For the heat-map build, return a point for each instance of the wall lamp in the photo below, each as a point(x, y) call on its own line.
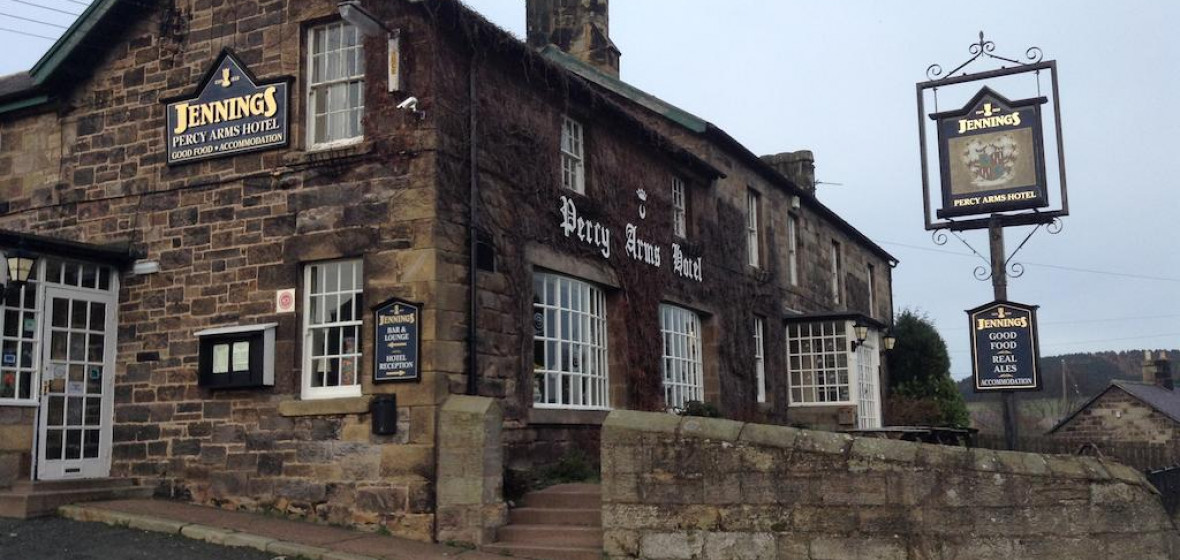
point(889, 340)
point(861, 331)
point(353, 13)
point(369, 26)
point(20, 267)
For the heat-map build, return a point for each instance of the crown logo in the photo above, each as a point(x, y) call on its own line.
point(642, 195)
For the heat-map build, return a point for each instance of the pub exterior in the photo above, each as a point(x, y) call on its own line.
point(275, 242)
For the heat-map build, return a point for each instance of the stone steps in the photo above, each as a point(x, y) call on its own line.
point(562, 522)
point(28, 499)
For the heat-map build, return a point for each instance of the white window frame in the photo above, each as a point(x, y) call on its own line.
point(868, 406)
point(753, 237)
point(871, 277)
point(793, 247)
point(310, 357)
point(818, 363)
point(571, 368)
point(85, 277)
point(316, 88)
point(760, 357)
point(682, 361)
point(573, 159)
point(679, 208)
point(837, 272)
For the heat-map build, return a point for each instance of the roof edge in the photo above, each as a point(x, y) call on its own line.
point(48, 64)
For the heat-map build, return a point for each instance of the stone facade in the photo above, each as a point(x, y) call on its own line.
point(1117, 416)
point(696, 488)
point(88, 165)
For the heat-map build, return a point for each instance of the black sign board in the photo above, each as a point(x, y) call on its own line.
point(230, 113)
point(992, 156)
point(1004, 348)
point(398, 336)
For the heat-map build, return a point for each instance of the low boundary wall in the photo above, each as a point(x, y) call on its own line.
point(696, 488)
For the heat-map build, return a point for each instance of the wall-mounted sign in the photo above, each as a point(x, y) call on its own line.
point(397, 337)
point(992, 156)
point(285, 301)
point(394, 58)
point(1004, 348)
point(230, 113)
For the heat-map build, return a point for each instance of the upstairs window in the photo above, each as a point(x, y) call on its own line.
point(760, 358)
point(682, 363)
point(333, 313)
point(753, 238)
point(336, 89)
point(793, 248)
point(837, 271)
point(573, 164)
point(679, 209)
point(872, 291)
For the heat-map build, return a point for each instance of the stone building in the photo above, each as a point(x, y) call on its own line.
point(254, 222)
point(1129, 411)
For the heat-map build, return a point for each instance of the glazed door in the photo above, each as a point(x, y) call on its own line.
point(77, 385)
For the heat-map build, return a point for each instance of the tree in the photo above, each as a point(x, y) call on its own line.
point(921, 389)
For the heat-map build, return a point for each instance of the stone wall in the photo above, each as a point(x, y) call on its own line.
point(470, 471)
point(694, 488)
point(1117, 416)
point(16, 443)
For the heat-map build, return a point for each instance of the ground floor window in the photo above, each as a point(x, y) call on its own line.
point(817, 358)
point(569, 343)
point(682, 362)
point(332, 329)
point(18, 343)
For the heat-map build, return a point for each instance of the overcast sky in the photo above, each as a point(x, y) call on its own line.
point(838, 77)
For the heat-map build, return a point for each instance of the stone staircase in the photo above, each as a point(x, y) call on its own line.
point(27, 499)
point(562, 522)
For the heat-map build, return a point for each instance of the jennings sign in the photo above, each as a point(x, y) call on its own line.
point(398, 335)
point(992, 156)
point(231, 113)
point(1004, 347)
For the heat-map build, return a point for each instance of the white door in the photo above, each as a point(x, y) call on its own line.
point(77, 384)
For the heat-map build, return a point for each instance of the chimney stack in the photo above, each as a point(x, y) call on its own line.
point(798, 166)
point(1158, 371)
point(578, 27)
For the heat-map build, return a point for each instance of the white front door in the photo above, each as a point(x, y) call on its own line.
point(77, 384)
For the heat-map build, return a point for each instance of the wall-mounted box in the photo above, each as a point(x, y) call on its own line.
point(237, 357)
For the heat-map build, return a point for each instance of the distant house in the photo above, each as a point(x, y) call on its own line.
point(1129, 411)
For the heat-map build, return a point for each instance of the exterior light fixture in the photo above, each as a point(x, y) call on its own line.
point(862, 332)
point(353, 13)
point(369, 26)
point(20, 267)
point(889, 340)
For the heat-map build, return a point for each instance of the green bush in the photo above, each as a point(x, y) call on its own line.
point(701, 409)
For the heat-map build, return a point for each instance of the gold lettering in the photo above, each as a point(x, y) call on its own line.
point(264, 103)
point(181, 118)
point(984, 324)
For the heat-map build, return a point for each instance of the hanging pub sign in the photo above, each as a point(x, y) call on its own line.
point(1004, 348)
point(992, 156)
point(230, 113)
point(396, 325)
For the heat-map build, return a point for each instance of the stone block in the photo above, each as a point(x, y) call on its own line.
point(16, 438)
point(829, 443)
point(739, 546)
point(767, 435)
point(710, 428)
point(680, 545)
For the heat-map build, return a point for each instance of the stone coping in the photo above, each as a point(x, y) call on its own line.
point(325, 407)
point(864, 449)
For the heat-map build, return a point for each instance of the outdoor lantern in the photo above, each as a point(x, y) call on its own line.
point(20, 266)
point(889, 340)
point(862, 332)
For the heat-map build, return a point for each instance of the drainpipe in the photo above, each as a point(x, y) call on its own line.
point(472, 241)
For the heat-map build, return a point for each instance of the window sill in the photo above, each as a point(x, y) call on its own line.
point(319, 154)
point(325, 407)
point(20, 404)
point(820, 404)
point(567, 416)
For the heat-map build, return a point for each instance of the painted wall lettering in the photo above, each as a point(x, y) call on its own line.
point(589, 232)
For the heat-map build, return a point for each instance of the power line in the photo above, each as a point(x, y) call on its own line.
point(27, 34)
point(87, 4)
point(43, 7)
point(1042, 265)
point(30, 20)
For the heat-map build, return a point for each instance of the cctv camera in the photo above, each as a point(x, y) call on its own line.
point(410, 104)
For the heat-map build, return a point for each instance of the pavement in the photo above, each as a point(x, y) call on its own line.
point(272, 535)
point(54, 538)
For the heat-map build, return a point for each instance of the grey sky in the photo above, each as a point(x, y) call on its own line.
point(838, 78)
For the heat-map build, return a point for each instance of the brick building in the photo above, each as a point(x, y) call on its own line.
point(223, 197)
point(1128, 411)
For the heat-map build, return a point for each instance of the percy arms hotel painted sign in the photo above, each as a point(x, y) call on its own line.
point(230, 113)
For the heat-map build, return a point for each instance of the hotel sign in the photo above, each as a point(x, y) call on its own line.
point(230, 113)
point(397, 328)
point(1004, 347)
point(992, 156)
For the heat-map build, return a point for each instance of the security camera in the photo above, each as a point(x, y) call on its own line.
point(410, 104)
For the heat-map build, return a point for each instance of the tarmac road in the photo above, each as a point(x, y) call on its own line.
point(60, 539)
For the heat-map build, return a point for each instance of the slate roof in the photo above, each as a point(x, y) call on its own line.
point(13, 84)
point(1158, 398)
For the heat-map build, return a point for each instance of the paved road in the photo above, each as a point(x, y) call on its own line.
point(60, 539)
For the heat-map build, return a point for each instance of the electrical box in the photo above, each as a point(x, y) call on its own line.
point(238, 357)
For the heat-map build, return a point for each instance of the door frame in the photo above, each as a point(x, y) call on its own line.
point(98, 467)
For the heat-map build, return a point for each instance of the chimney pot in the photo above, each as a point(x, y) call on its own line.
point(798, 166)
